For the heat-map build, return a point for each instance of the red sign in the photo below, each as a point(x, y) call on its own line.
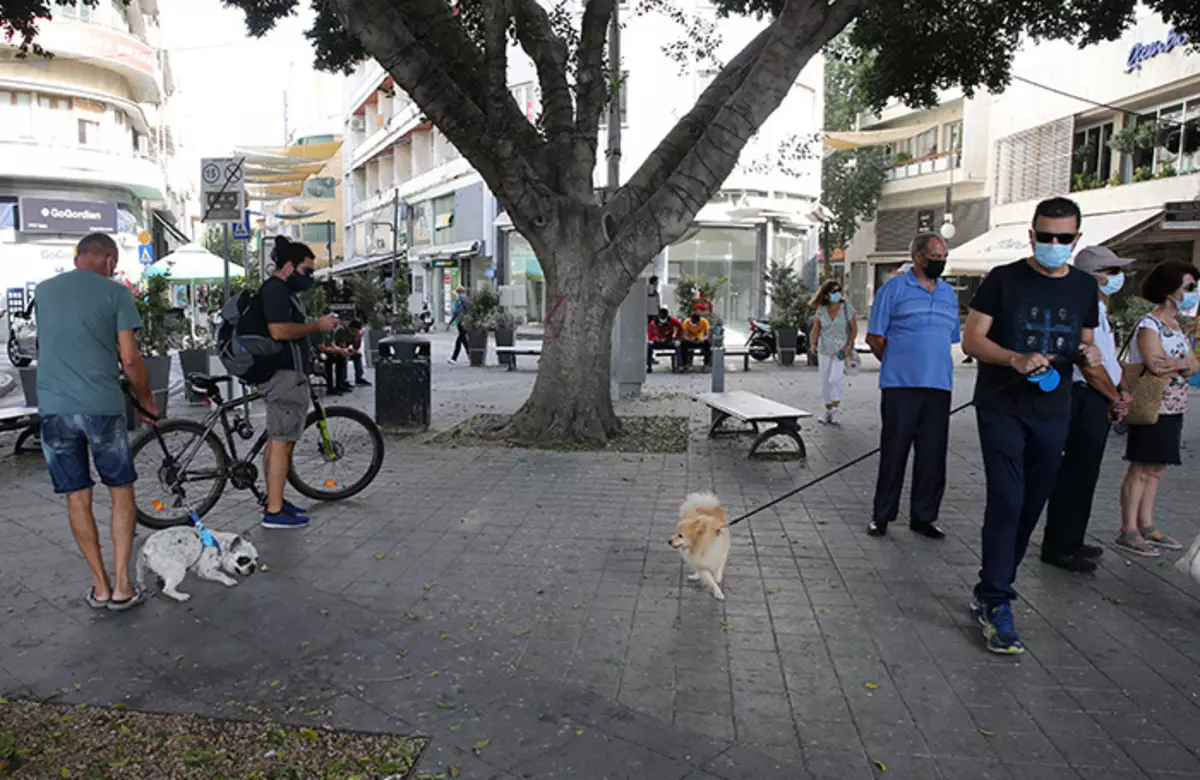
point(838, 255)
point(73, 40)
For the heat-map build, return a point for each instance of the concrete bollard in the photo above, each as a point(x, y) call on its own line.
point(718, 376)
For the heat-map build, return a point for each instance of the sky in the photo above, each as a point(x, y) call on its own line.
point(229, 87)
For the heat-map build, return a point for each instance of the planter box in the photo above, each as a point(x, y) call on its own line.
point(193, 361)
point(160, 383)
point(506, 337)
point(477, 342)
point(785, 344)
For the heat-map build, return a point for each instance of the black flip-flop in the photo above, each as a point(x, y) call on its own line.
point(90, 599)
point(122, 605)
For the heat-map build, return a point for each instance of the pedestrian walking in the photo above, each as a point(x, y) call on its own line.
point(913, 327)
point(1096, 403)
point(834, 333)
point(87, 334)
point(1031, 318)
point(1162, 347)
point(458, 315)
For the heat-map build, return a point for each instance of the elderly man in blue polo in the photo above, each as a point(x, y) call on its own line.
point(914, 322)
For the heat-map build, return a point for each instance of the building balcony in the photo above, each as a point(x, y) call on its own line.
point(386, 135)
point(113, 49)
point(361, 84)
point(46, 161)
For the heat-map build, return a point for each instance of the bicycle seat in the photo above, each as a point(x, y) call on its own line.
point(206, 383)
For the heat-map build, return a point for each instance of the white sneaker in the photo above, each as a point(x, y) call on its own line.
point(826, 416)
point(452, 362)
point(835, 416)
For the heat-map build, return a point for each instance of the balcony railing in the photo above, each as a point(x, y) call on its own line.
point(933, 163)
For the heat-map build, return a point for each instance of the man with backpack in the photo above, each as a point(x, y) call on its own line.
point(285, 390)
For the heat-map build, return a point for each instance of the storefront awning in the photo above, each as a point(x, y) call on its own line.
point(843, 140)
point(447, 250)
point(357, 264)
point(1007, 243)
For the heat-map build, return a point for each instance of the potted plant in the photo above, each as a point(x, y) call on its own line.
point(482, 306)
point(194, 359)
point(159, 334)
point(505, 324)
point(789, 310)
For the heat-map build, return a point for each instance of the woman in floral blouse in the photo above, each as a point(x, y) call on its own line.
point(1166, 351)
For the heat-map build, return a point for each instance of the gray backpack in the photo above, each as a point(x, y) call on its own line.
point(244, 344)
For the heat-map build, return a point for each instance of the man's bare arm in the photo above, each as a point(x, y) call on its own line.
point(976, 343)
point(877, 343)
point(135, 368)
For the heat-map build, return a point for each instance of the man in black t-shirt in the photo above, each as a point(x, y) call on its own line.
point(1029, 317)
point(286, 392)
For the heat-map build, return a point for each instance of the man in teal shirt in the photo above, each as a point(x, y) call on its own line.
point(87, 332)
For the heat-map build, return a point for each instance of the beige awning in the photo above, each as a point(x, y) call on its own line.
point(849, 139)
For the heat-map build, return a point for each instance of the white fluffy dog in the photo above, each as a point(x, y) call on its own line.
point(703, 540)
point(170, 553)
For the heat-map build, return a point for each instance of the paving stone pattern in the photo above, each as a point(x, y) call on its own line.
point(530, 599)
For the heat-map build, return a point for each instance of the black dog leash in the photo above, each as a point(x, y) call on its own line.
point(874, 452)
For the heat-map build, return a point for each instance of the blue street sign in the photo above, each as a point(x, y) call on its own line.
point(146, 254)
point(241, 230)
point(489, 273)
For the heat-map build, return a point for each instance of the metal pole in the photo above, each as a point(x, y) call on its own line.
point(613, 150)
point(329, 240)
point(395, 249)
point(227, 293)
point(718, 375)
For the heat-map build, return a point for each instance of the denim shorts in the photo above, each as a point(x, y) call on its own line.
point(66, 439)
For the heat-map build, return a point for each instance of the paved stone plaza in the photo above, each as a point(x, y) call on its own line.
point(528, 599)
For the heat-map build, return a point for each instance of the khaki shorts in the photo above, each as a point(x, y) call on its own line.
point(286, 396)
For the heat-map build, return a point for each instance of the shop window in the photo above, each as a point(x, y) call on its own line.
point(952, 140)
point(8, 214)
point(89, 133)
point(1190, 158)
point(1170, 141)
point(443, 220)
point(1091, 157)
point(317, 232)
point(926, 143)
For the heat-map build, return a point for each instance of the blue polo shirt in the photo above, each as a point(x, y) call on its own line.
point(920, 327)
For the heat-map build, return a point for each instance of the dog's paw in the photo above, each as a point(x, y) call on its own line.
point(693, 577)
point(718, 595)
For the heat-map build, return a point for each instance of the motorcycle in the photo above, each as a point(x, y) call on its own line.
point(761, 342)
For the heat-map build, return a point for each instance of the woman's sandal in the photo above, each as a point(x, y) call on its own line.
point(1157, 538)
point(93, 602)
point(122, 605)
point(1132, 542)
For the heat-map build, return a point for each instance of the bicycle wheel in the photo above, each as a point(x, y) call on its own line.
point(203, 481)
point(337, 467)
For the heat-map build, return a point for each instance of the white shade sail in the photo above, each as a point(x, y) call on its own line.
point(194, 263)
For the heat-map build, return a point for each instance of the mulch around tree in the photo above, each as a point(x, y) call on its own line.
point(639, 435)
point(54, 740)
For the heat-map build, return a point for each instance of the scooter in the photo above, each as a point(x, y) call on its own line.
point(761, 343)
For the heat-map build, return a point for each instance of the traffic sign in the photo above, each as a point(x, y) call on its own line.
point(223, 188)
point(146, 254)
point(241, 230)
point(144, 237)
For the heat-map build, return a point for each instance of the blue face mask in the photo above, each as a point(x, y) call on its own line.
point(835, 297)
point(1052, 256)
point(1190, 300)
point(1113, 285)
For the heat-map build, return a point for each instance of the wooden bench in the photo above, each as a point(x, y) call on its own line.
point(754, 409)
point(533, 350)
point(742, 352)
point(24, 419)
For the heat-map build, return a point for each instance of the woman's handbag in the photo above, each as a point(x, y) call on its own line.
point(1145, 387)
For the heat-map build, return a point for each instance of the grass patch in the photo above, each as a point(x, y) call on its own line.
point(641, 434)
point(51, 740)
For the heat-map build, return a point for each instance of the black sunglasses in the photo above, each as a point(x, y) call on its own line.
point(1044, 237)
point(1190, 287)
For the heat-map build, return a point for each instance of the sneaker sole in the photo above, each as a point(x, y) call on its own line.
point(284, 525)
point(1015, 650)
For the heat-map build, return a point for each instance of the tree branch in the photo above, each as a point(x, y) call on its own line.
point(693, 161)
point(591, 85)
point(536, 35)
point(495, 62)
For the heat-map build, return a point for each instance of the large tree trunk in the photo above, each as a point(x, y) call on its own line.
point(572, 396)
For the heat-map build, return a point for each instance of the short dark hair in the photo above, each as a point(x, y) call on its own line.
point(922, 240)
point(653, 280)
point(355, 325)
point(96, 244)
point(287, 251)
point(1058, 208)
point(1165, 278)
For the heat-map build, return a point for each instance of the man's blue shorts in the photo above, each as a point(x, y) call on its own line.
point(66, 439)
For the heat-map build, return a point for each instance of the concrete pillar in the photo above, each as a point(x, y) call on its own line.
point(629, 344)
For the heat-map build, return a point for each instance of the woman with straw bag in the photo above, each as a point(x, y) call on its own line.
point(1161, 359)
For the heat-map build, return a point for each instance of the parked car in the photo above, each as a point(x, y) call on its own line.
point(22, 337)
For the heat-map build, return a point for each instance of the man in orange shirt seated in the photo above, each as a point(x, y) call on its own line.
point(695, 336)
point(663, 333)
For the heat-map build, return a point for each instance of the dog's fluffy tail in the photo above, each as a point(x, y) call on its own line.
point(705, 503)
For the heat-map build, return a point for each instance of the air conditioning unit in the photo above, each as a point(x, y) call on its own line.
point(358, 124)
point(381, 243)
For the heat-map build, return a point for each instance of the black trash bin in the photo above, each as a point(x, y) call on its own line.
point(402, 390)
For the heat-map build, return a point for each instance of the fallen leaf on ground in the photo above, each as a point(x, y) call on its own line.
point(773, 591)
point(473, 626)
point(987, 733)
point(724, 625)
point(324, 612)
point(455, 771)
point(413, 616)
point(871, 685)
point(456, 727)
point(882, 766)
point(432, 674)
point(579, 733)
point(443, 636)
point(479, 746)
point(381, 556)
point(305, 643)
point(446, 705)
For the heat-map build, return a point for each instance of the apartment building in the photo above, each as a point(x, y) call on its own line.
point(315, 215)
point(1115, 126)
point(86, 142)
point(402, 174)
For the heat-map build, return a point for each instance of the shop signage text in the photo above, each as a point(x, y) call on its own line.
point(77, 217)
point(1140, 52)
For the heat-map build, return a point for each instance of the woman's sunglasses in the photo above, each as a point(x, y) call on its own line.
point(1044, 237)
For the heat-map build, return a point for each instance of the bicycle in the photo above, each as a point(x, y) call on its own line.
point(178, 467)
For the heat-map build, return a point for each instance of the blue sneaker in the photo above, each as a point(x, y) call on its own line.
point(1000, 631)
point(288, 507)
point(283, 519)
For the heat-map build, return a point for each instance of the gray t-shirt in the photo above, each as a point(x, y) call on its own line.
point(835, 332)
point(79, 314)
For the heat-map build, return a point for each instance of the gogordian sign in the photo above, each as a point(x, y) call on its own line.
point(1148, 51)
point(79, 217)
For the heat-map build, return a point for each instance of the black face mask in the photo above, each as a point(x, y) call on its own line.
point(934, 268)
point(300, 281)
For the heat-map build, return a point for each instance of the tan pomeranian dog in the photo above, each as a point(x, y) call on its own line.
point(703, 540)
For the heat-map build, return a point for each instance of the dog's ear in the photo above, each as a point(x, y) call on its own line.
point(236, 543)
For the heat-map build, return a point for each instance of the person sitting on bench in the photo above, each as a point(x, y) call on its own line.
point(695, 331)
point(663, 333)
point(335, 362)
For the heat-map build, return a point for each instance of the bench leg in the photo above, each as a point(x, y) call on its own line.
point(716, 430)
point(30, 432)
point(746, 362)
point(787, 430)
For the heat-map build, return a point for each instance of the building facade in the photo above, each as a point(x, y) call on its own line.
point(315, 216)
point(86, 143)
point(1121, 136)
point(402, 175)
